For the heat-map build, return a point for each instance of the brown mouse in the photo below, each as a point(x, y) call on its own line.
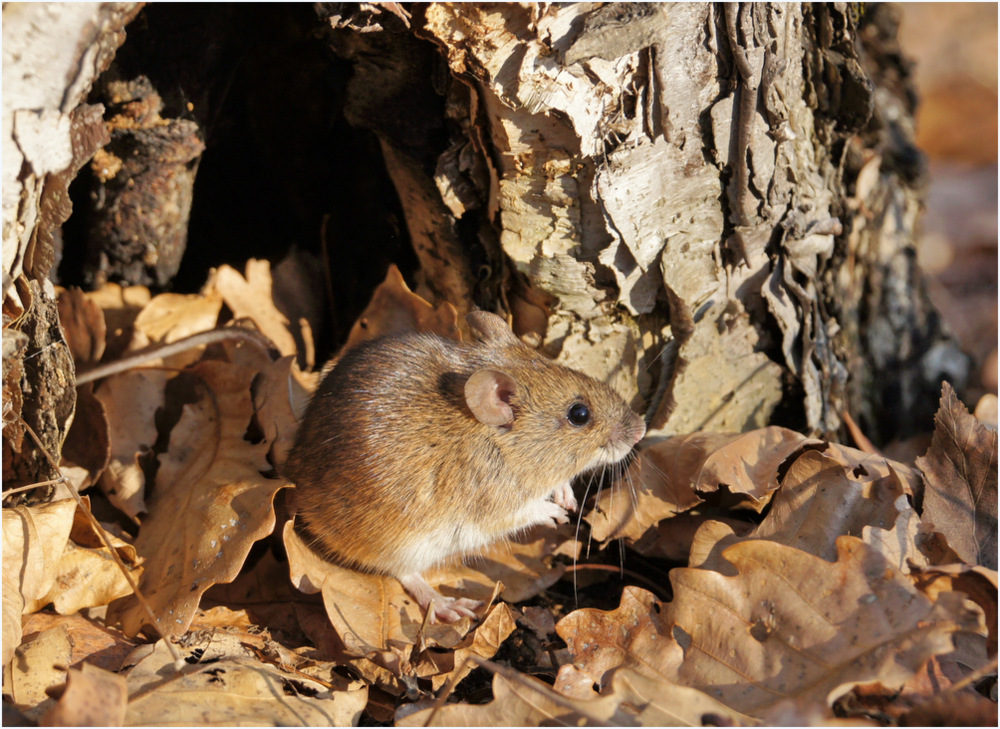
point(416, 448)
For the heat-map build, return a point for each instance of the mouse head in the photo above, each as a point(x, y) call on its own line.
point(558, 419)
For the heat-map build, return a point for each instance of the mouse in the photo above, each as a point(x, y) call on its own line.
point(416, 450)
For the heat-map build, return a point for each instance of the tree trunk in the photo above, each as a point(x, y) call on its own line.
point(710, 206)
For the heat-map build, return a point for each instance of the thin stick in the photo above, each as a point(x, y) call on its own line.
point(19, 489)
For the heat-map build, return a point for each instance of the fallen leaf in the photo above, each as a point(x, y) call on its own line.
point(279, 401)
point(40, 663)
point(119, 306)
point(645, 494)
point(83, 325)
point(960, 469)
point(978, 583)
point(131, 400)
point(252, 298)
point(523, 564)
point(788, 625)
point(863, 467)
point(33, 542)
point(631, 636)
point(539, 621)
point(816, 504)
point(378, 625)
point(745, 464)
point(92, 697)
point(520, 700)
point(899, 544)
point(675, 475)
point(269, 598)
point(655, 701)
point(224, 684)
point(211, 503)
point(394, 309)
point(90, 640)
point(444, 667)
point(169, 317)
point(674, 538)
point(87, 575)
point(952, 709)
point(88, 443)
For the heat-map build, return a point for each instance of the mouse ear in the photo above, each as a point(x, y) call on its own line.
point(490, 328)
point(488, 393)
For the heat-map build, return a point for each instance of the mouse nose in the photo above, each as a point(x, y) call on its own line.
point(639, 431)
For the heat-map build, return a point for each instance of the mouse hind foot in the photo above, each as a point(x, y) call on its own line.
point(443, 609)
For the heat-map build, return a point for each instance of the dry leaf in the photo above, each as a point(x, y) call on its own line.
point(539, 621)
point(93, 697)
point(33, 542)
point(394, 309)
point(744, 464)
point(90, 640)
point(224, 684)
point(788, 626)
point(524, 564)
point(657, 702)
point(87, 575)
point(645, 494)
point(130, 400)
point(952, 709)
point(252, 298)
point(83, 325)
point(374, 619)
point(211, 502)
point(817, 503)
point(40, 664)
point(960, 469)
point(674, 475)
point(169, 317)
point(978, 583)
point(88, 444)
point(443, 667)
point(268, 597)
point(863, 467)
point(520, 700)
point(119, 306)
point(899, 544)
point(273, 393)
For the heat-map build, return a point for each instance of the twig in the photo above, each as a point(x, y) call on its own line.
point(19, 489)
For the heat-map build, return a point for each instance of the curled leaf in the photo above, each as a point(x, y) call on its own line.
point(211, 502)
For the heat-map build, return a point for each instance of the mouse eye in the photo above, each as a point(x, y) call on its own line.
point(578, 414)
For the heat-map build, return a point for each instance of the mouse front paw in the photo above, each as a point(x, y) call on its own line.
point(552, 513)
point(564, 496)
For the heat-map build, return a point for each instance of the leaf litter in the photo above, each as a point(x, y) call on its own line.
point(796, 580)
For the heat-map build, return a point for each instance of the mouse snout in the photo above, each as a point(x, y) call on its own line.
point(630, 431)
point(638, 431)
